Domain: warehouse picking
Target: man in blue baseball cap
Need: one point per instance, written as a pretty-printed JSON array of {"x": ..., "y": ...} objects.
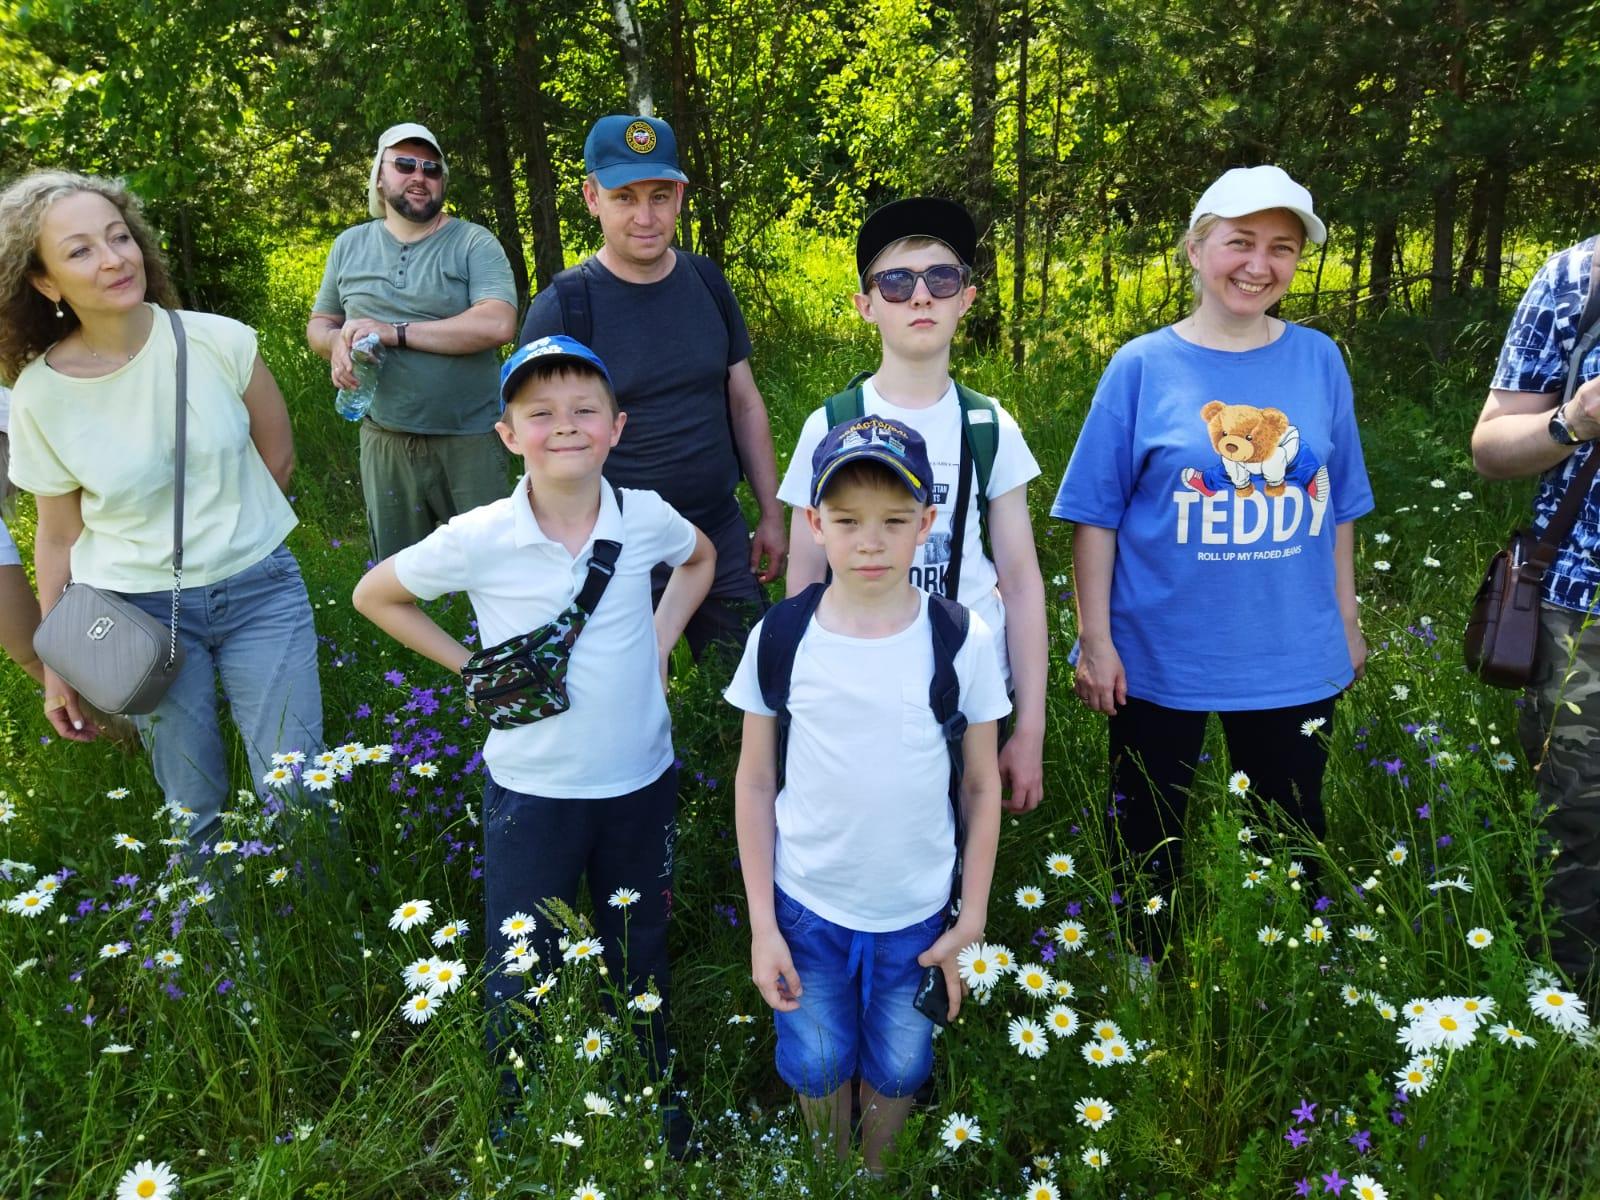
[{"x": 667, "y": 325}]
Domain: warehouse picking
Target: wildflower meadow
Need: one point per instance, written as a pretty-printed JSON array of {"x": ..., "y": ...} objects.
[{"x": 295, "y": 1009}]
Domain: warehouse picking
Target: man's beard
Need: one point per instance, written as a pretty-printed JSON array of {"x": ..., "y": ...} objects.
[{"x": 417, "y": 210}]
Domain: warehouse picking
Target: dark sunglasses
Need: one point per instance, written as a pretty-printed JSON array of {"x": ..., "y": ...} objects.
[
  {"x": 897, "y": 284},
  {"x": 404, "y": 164}
]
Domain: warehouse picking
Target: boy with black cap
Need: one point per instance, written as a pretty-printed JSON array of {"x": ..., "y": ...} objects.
[
  {"x": 869, "y": 743},
  {"x": 581, "y": 779},
  {"x": 914, "y": 261}
]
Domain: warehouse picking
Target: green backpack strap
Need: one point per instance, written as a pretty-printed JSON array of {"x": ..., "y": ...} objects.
[
  {"x": 980, "y": 419},
  {"x": 848, "y": 405}
]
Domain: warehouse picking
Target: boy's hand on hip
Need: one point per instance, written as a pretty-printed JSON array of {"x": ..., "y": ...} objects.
[{"x": 772, "y": 970}]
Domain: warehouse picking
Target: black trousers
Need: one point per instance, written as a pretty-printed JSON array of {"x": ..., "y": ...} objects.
[
  {"x": 535, "y": 847},
  {"x": 1154, "y": 751}
]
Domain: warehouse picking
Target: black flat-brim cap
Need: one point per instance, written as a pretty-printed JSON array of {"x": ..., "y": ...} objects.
[{"x": 916, "y": 216}]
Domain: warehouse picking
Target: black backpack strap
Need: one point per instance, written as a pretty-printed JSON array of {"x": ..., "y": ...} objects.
[
  {"x": 848, "y": 405},
  {"x": 711, "y": 276},
  {"x": 572, "y": 297},
  {"x": 602, "y": 566},
  {"x": 958, "y": 522},
  {"x": 781, "y": 630},
  {"x": 948, "y": 623}
]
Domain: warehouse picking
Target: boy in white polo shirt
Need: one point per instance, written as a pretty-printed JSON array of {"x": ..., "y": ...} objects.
[
  {"x": 848, "y": 846},
  {"x": 591, "y": 790}
]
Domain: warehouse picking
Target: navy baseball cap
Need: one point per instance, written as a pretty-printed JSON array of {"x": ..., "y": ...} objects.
[
  {"x": 916, "y": 216},
  {"x": 623, "y": 149},
  {"x": 873, "y": 439},
  {"x": 558, "y": 348}
]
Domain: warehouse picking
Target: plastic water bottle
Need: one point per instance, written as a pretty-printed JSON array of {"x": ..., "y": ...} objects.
[{"x": 366, "y": 358}]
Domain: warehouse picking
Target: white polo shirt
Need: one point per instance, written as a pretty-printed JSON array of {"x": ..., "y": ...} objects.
[{"x": 616, "y": 737}]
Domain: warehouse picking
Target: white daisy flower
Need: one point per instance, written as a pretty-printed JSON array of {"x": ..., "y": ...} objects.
[
  {"x": 595, "y": 1044},
  {"x": 1029, "y": 897},
  {"x": 226, "y": 846},
  {"x": 377, "y": 754},
  {"x": 1028, "y": 1036},
  {"x": 1042, "y": 1189},
  {"x": 516, "y": 925},
  {"x": 1363, "y": 933},
  {"x": 597, "y": 1105},
  {"x": 419, "y": 973},
  {"x": 588, "y": 1191},
  {"x": 1253, "y": 878},
  {"x": 1239, "y": 783},
  {"x": 169, "y": 959},
  {"x": 277, "y": 875},
  {"x": 1061, "y": 1021},
  {"x": 410, "y": 914},
  {"x": 1072, "y": 935},
  {"x": 1095, "y": 1157},
  {"x": 567, "y": 1137},
  {"x": 1350, "y": 994},
  {"x": 419, "y": 1009},
  {"x": 959, "y": 1130},
  {"x": 1365, "y": 1187},
  {"x": 1063, "y": 990},
  {"x": 1268, "y": 936},
  {"x": 147, "y": 1180},
  {"x": 113, "y": 949},
  {"x": 1458, "y": 882},
  {"x": 448, "y": 932},
  {"x": 1316, "y": 933},
  {"x": 447, "y": 975},
  {"x": 1562, "y": 1009},
  {"x": 289, "y": 758},
  {"x": 318, "y": 779},
  {"x": 623, "y": 897},
  {"x": 1118, "y": 1050},
  {"x": 1509, "y": 1035},
  {"x": 1504, "y": 762},
  {"x": 1060, "y": 865},
  {"x": 1093, "y": 1112},
  {"x": 117, "y": 1048},
  {"x": 1413, "y": 1079},
  {"x": 645, "y": 1002},
  {"x": 126, "y": 841},
  {"x": 1381, "y": 565},
  {"x": 582, "y": 950},
  {"x": 1033, "y": 980},
  {"x": 542, "y": 989},
  {"x": 1096, "y": 1054},
  {"x": 117, "y": 793},
  {"x": 424, "y": 770},
  {"x": 1154, "y": 905},
  {"x": 977, "y": 968},
  {"x": 30, "y": 903},
  {"x": 1308, "y": 728}
]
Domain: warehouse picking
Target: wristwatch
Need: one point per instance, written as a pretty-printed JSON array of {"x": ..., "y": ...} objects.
[
  {"x": 1560, "y": 432},
  {"x": 400, "y": 335}
]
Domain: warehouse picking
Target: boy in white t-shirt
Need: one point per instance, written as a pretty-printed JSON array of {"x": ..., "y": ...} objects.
[
  {"x": 848, "y": 864},
  {"x": 591, "y": 790},
  {"x": 914, "y": 261}
]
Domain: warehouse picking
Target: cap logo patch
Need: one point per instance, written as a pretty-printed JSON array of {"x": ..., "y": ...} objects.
[{"x": 639, "y": 137}]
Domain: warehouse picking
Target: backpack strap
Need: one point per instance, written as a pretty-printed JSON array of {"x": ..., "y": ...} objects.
[
  {"x": 848, "y": 405},
  {"x": 602, "y": 566},
  {"x": 711, "y": 277},
  {"x": 781, "y": 630},
  {"x": 948, "y": 622},
  {"x": 572, "y": 297},
  {"x": 980, "y": 421}
]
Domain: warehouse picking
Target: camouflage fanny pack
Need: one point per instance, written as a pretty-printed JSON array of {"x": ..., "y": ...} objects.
[{"x": 524, "y": 679}]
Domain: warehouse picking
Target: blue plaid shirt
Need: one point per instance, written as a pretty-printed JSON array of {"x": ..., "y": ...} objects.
[{"x": 1534, "y": 359}]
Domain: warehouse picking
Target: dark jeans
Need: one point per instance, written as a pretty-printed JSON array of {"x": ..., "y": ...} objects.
[
  {"x": 535, "y": 847},
  {"x": 736, "y": 600},
  {"x": 1153, "y": 755}
]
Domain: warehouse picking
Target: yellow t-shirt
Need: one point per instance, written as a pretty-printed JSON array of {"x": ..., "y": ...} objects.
[{"x": 112, "y": 437}]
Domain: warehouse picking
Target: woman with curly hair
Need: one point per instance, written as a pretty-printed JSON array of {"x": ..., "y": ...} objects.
[{"x": 93, "y": 357}]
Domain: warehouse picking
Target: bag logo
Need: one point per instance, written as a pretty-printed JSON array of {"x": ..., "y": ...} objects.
[
  {"x": 100, "y": 628},
  {"x": 640, "y": 138}
]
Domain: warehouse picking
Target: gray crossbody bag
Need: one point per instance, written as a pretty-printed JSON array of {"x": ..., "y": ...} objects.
[{"x": 114, "y": 654}]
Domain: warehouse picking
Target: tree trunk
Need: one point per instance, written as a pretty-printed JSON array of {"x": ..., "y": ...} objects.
[
  {"x": 1108, "y": 280},
  {"x": 548, "y": 254},
  {"x": 1494, "y": 225},
  {"x": 1048, "y": 238},
  {"x": 1471, "y": 252},
  {"x": 706, "y": 202},
  {"x": 495, "y": 145},
  {"x": 983, "y": 321},
  {"x": 1441, "y": 270},
  {"x": 634, "y": 64},
  {"x": 1380, "y": 281},
  {"x": 1355, "y": 271},
  {"x": 1019, "y": 219},
  {"x": 687, "y": 146}
]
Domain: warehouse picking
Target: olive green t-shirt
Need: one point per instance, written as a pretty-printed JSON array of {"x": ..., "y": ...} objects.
[{"x": 371, "y": 274}]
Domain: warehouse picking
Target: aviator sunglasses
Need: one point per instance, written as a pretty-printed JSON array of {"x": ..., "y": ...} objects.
[
  {"x": 897, "y": 284},
  {"x": 404, "y": 164}
]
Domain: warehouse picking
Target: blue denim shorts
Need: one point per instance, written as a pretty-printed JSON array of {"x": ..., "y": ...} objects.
[{"x": 855, "y": 1009}]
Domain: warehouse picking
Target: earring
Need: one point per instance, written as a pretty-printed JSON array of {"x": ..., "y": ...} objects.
[{"x": 59, "y": 313}]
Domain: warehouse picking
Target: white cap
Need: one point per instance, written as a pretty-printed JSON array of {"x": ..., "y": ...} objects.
[
  {"x": 407, "y": 131},
  {"x": 1246, "y": 190}
]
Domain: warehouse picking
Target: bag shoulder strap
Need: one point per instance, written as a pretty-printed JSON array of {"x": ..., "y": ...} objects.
[
  {"x": 572, "y": 297},
  {"x": 602, "y": 566},
  {"x": 848, "y": 405},
  {"x": 179, "y": 455},
  {"x": 781, "y": 630},
  {"x": 712, "y": 277},
  {"x": 1566, "y": 514},
  {"x": 948, "y": 623}
]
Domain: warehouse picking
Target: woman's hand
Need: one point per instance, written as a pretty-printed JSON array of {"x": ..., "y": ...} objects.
[
  {"x": 1358, "y": 648},
  {"x": 1099, "y": 680},
  {"x": 63, "y": 711}
]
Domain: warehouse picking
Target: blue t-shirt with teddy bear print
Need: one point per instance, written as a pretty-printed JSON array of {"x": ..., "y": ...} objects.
[{"x": 1224, "y": 474}]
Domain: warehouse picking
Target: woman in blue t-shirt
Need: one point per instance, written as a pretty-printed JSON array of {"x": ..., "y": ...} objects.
[{"x": 1213, "y": 489}]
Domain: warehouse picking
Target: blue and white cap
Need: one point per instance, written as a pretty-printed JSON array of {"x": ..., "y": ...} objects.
[
  {"x": 875, "y": 439},
  {"x": 557, "y": 346}
]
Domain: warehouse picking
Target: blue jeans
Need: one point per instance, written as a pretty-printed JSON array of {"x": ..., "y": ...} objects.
[
  {"x": 254, "y": 629},
  {"x": 855, "y": 1009}
]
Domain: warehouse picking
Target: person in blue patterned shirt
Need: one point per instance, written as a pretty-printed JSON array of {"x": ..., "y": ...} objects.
[{"x": 1525, "y": 430}]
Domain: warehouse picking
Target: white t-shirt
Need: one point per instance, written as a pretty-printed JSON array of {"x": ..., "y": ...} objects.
[
  {"x": 616, "y": 737},
  {"x": 112, "y": 437},
  {"x": 866, "y": 837},
  {"x": 940, "y": 427}
]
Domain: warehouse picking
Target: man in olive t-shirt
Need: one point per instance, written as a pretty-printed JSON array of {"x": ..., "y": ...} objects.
[{"x": 440, "y": 295}]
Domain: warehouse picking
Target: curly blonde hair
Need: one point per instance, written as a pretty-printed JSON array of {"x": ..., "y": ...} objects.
[{"x": 28, "y": 322}]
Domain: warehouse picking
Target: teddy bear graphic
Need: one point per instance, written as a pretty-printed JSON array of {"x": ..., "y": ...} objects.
[{"x": 1256, "y": 444}]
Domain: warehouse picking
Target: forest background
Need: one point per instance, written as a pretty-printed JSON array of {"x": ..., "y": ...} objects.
[{"x": 1450, "y": 145}]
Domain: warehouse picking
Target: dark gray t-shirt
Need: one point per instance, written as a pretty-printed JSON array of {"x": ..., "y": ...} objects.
[
  {"x": 668, "y": 350},
  {"x": 371, "y": 274}
]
